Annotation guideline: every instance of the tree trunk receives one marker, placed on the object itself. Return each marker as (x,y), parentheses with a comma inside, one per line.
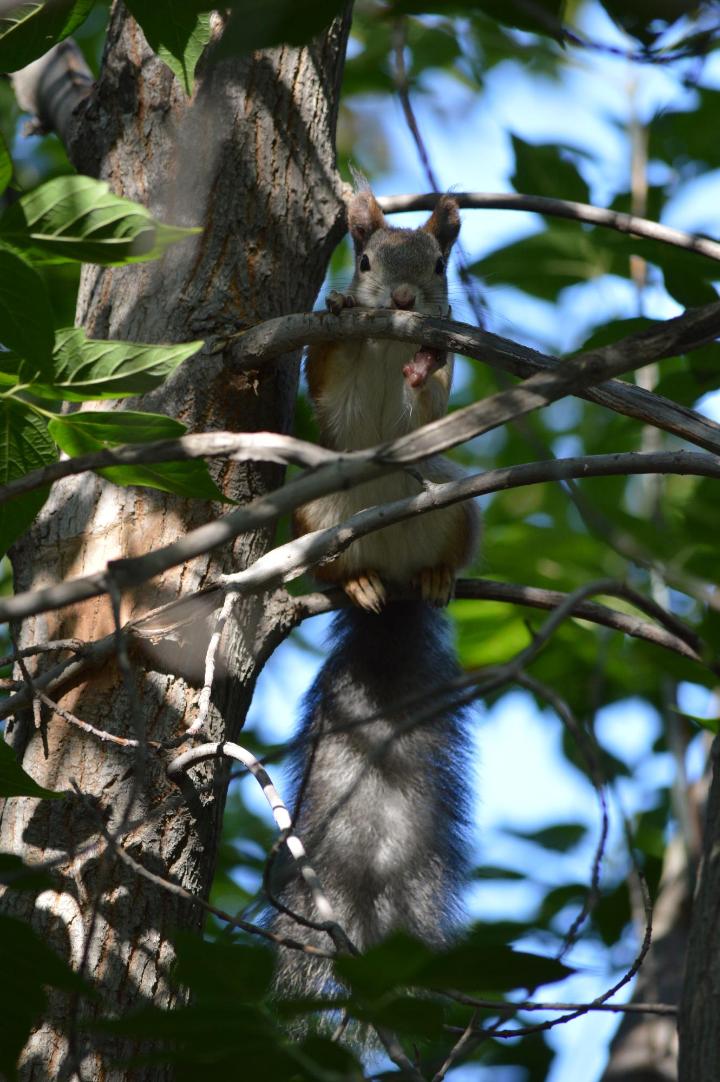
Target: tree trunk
(250,158)
(699,1059)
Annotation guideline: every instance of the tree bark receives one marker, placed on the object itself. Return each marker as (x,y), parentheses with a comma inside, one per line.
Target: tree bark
(250,158)
(699,1056)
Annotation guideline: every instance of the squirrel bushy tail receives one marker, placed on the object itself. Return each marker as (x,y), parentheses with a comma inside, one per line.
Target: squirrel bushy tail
(380,807)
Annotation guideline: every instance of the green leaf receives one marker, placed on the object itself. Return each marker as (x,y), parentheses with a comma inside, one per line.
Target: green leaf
(232,972)
(541,170)
(687,289)
(477,963)
(547,262)
(24,445)
(88,369)
(28,30)
(26,319)
(176,32)
(560,838)
(105,429)
(260,24)
(23,999)
(6,165)
(15,782)
(79,218)
(16,875)
(80,433)
(414,1017)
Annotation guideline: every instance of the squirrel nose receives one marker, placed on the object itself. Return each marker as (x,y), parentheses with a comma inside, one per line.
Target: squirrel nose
(403,297)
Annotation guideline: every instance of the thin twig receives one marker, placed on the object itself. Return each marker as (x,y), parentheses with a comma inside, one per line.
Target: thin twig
(537,1005)
(282,818)
(101,734)
(560,208)
(682,640)
(20,660)
(210,657)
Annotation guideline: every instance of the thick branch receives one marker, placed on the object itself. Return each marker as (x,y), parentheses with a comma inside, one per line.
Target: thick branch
(560,208)
(168,618)
(292,559)
(268,339)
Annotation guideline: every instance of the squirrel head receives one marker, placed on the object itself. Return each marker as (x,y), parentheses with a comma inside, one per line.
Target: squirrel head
(401,268)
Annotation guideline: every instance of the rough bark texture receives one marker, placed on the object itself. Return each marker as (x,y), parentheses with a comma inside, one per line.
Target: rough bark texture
(699,1059)
(250,158)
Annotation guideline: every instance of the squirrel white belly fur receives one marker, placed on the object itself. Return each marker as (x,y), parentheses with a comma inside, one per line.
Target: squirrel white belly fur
(380,804)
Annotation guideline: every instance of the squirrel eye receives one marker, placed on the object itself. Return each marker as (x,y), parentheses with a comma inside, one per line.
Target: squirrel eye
(440,266)
(364,263)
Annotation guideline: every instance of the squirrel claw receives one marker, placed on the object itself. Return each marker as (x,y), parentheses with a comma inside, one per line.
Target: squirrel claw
(335,301)
(367,591)
(435,585)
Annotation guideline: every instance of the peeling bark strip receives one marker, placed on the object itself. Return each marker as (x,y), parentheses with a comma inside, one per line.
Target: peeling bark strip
(251,158)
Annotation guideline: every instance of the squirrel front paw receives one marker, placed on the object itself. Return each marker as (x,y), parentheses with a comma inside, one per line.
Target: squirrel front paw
(367,591)
(336,301)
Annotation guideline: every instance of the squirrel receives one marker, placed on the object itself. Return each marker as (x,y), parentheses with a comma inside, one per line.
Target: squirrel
(380,804)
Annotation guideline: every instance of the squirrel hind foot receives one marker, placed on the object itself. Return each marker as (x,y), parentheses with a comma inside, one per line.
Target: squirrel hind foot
(436,585)
(367,591)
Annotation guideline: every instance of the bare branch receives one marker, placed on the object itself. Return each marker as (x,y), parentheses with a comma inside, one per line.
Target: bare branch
(101,734)
(691,329)
(168,618)
(536,1005)
(238,447)
(491,349)
(560,208)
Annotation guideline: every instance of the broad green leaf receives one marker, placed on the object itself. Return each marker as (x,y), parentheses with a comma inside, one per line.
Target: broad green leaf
(15,782)
(26,319)
(80,433)
(176,33)
(541,170)
(24,445)
(475,964)
(260,24)
(27,30)
(235,972)
(87,369)
(680,138)
(20,876)
(79,218)
(6,165)
(414,1017)
(547,262)
(108,429)
(23,999)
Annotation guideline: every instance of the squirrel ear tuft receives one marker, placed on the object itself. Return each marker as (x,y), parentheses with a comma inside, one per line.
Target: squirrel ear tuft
(444,223)
(364,218)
